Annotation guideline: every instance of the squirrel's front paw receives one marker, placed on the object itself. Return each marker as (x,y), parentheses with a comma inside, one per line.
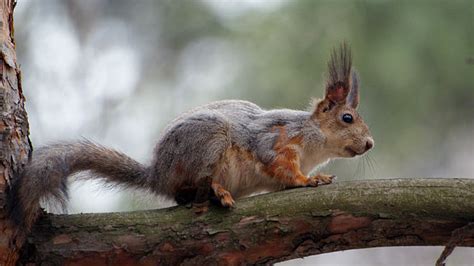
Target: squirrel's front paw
(312,182)
(223,195)
(322,179)
(226,199)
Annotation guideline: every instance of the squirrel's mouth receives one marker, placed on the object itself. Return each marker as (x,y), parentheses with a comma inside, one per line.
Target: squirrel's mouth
(352,152)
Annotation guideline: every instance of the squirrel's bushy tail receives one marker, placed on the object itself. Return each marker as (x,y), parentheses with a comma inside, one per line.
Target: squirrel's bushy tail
(45,176)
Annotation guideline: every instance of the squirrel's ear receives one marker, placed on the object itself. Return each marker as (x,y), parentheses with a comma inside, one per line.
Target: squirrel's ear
(353,98)
(339,68)
(337,93)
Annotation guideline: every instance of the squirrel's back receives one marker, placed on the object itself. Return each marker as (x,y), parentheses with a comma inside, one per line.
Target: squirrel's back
(231,141)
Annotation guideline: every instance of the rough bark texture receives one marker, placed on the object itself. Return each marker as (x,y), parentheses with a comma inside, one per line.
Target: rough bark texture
(263,229)
(14,143)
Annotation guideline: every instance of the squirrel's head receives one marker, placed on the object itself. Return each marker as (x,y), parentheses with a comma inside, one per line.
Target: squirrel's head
(346,133)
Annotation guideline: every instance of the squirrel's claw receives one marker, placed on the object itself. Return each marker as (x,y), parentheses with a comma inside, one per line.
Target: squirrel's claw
(322,179)
(223,195)
(227,200)
(326,179)
(200,208)
(312,182)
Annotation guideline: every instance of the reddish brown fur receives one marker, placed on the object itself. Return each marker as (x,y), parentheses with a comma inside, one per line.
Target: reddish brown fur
(239,172)
(286,167)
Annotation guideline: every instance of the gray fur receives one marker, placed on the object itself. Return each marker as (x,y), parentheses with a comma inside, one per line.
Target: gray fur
(198,139)
(45,175)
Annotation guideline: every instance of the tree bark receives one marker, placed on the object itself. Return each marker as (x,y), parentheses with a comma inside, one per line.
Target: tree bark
(264,229)
(14,142)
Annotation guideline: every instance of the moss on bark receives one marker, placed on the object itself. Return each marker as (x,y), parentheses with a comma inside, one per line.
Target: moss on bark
(265,228)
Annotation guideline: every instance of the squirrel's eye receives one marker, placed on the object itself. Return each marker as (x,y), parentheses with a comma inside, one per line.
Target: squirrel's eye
(347,118)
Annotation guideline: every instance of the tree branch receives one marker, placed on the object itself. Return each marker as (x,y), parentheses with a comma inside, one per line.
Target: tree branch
(266,228)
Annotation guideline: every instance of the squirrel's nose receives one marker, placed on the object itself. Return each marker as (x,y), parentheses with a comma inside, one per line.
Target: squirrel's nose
(369,144)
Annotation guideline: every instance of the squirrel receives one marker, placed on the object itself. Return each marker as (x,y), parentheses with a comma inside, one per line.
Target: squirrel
(233,147)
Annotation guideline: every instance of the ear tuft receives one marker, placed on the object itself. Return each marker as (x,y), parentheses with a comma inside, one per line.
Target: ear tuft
(339,67)
(353,98)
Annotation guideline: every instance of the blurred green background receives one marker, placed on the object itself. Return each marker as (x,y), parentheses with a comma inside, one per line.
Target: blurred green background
(117,71)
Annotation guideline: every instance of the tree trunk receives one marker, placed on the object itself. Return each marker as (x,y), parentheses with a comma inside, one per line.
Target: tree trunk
(266,228)
(14,143)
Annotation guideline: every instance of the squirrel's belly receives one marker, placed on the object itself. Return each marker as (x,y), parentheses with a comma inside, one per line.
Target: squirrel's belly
(241,173)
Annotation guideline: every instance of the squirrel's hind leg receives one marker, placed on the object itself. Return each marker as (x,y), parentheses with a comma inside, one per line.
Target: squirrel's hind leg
(203,194)
(208,189)
(204,191)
